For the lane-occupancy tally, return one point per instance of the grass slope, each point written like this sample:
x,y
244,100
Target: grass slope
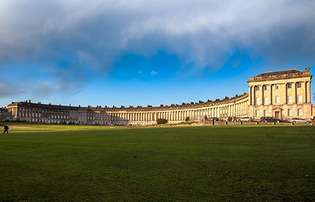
x,y
193,163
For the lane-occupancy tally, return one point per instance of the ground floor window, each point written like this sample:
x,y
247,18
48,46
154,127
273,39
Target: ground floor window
x,y
289,112
258,102
277,100
299,112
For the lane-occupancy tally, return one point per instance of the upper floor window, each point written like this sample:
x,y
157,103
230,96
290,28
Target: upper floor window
x,y
264,87
290,100
299,99
276,87
257,88
289,85
299,112
298,84
277,100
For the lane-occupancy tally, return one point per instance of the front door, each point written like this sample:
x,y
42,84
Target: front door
x,y
277,115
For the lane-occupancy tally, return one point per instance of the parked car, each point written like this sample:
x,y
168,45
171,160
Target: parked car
x,y
245,119
269,119
298,120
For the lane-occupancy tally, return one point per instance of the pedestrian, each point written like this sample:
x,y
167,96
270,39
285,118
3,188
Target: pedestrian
x,y
6,129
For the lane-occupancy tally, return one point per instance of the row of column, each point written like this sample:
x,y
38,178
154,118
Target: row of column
x,y
283,92
229,110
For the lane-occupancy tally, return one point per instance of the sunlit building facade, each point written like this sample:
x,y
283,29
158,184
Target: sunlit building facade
x,y
283,95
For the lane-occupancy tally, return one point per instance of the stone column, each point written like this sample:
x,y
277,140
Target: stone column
x,y
286,93
238,109
254,96
262,95
283,93
271,95
250,95
295,101
303,92
308,92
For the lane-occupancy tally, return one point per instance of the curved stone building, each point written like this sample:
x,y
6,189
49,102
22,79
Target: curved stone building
x,y
285,94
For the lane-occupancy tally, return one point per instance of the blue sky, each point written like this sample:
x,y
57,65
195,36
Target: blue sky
x,y
148,52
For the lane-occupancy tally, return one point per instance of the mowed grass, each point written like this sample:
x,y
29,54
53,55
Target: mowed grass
x,y
58,163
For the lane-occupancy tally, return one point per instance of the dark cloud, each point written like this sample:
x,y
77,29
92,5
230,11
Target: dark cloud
x,y
89,37
8,89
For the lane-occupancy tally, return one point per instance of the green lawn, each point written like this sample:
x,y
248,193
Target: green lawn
x,y
192,163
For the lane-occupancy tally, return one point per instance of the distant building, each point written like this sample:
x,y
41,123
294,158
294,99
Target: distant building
x,y
283,95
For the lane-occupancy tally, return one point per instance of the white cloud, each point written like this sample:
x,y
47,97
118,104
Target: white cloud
x,y
201,30
94,34
8,89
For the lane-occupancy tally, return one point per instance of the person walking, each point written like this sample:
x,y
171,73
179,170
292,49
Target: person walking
x,y
5,129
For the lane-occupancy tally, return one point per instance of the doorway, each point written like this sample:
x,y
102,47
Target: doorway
x,y
277,115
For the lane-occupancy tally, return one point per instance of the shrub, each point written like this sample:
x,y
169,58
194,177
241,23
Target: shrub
x,y
187,119
161,121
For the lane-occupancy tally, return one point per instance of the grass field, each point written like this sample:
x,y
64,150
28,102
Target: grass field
x,y
193,163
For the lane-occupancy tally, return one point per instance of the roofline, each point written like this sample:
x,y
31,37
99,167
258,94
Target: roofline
x,y
146,108
288,75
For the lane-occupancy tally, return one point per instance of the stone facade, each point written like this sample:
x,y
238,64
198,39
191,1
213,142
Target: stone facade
x,y
282,95
43,113
279,94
